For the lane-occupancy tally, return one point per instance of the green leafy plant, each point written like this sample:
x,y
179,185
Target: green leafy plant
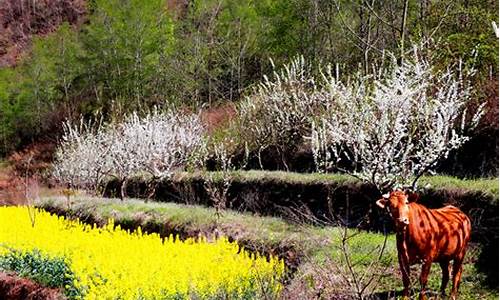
x,y
52,272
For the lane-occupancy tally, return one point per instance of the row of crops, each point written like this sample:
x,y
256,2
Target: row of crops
x,y
88,262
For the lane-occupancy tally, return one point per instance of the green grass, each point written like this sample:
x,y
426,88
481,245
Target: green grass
x,y
278,176
264,232
485,185
316,252
293,177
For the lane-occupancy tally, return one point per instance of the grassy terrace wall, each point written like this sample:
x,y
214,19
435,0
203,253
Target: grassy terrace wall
x,y
330,198
322,197
261,234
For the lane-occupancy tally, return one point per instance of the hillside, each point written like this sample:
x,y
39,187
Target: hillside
x,y
21,20
103,58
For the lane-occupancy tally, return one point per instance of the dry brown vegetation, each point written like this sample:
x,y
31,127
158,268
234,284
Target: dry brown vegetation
x,y
10,193
217,117
20,20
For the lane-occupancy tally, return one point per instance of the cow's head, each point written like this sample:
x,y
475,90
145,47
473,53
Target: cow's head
x,y
397,203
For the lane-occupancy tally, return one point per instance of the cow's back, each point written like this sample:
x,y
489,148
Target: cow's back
x,y
438,234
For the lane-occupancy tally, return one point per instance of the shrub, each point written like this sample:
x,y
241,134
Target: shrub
x,y
388,128
278,112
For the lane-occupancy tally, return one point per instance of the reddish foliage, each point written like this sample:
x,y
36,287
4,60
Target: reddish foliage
x,y
490,90
178,7
20,19
21,177
33,160
11,188
216,117
13,287
11,193
18,180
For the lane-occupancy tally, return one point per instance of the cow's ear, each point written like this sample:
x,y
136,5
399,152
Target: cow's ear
x,y
412,197
381,202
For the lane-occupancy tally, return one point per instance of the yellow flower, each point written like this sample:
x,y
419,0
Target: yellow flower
x,y
111,263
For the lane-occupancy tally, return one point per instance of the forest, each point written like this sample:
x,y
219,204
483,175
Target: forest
x,y
106,59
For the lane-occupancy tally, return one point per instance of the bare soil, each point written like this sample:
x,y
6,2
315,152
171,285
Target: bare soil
x,y
13,287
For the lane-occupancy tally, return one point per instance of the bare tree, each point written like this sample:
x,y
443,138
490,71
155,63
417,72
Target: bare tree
x,y
352,269
31,191
217,184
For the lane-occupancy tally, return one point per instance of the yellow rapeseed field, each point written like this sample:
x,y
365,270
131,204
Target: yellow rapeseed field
x,y
111,263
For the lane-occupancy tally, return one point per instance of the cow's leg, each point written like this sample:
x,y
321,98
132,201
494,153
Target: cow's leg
x,y
457,273
445,267
426,268
404,266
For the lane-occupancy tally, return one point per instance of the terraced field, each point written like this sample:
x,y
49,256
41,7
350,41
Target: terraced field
x,y
320,260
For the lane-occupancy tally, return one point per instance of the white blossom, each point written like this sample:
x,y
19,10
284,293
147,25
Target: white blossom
x,y
396,127
278,111
158,143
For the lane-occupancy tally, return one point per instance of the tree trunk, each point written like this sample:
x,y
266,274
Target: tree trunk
x,y
123,189
402,29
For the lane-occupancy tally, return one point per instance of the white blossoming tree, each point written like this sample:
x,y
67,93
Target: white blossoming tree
x,y
395,127
158,143
81,160
277,113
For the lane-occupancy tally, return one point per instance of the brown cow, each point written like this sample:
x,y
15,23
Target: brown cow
x,y
427,236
